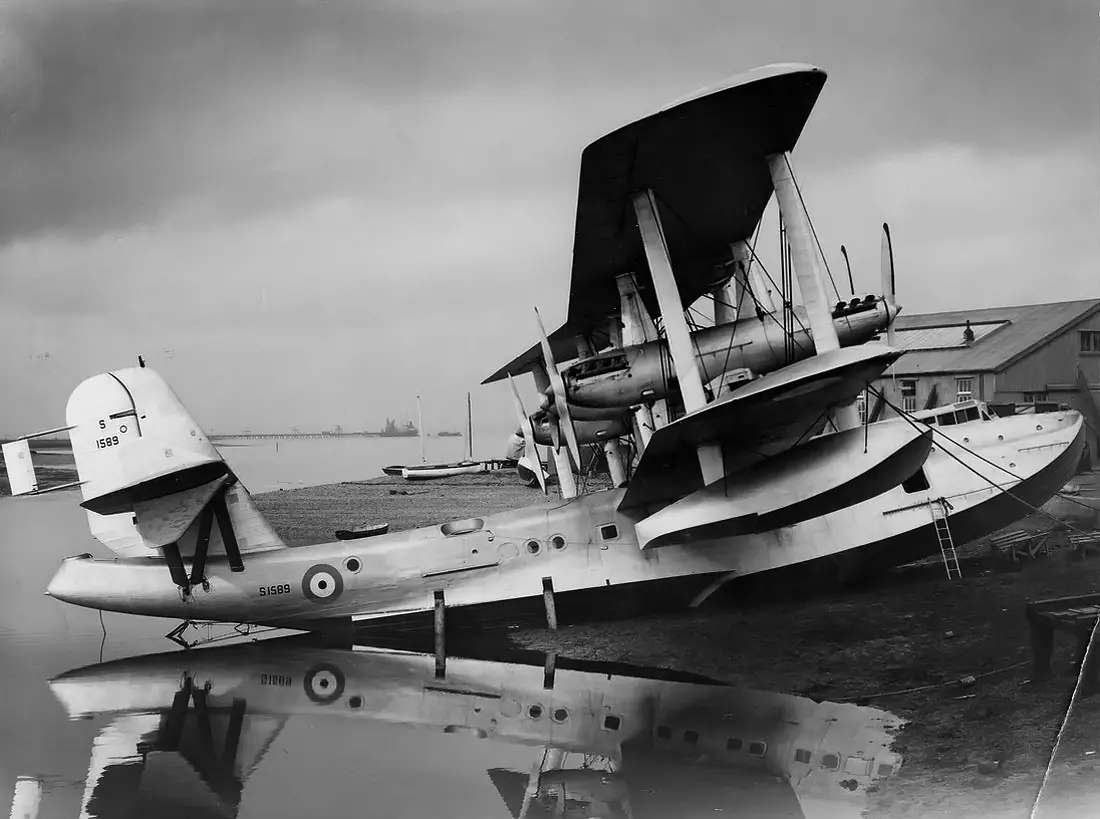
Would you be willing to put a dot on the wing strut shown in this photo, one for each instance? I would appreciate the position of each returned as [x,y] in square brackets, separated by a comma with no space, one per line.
[676,329]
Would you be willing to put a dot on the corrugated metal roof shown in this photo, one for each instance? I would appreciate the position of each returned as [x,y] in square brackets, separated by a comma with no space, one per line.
[1006,334]
[942,338]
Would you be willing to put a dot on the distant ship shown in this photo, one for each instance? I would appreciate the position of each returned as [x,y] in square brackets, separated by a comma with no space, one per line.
[392,430]
[448,434]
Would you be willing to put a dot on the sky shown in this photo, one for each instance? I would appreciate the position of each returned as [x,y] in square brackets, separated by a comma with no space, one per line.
[307,213]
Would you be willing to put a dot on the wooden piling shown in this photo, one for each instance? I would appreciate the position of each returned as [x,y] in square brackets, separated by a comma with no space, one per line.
[440,629]
[548,670]
[548,600]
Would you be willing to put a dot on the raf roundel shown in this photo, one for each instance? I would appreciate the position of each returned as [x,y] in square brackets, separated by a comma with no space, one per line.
[324,683]
[322,584]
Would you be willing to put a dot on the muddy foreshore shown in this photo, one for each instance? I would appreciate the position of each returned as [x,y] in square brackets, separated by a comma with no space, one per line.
[903,643]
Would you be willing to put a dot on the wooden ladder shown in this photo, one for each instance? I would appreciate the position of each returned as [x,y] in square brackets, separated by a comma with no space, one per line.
[939,508]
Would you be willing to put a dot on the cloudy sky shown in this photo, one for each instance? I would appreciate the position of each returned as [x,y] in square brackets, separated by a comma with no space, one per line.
[304,213]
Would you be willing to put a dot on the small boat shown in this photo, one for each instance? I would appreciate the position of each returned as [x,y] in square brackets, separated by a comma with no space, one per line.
[393,469]
[367,530]
[427,471]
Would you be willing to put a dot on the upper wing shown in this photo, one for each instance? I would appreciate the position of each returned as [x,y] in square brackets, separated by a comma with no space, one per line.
[773,413]
[705,158]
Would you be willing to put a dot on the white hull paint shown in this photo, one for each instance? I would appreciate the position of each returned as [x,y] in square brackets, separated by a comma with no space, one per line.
[505,557]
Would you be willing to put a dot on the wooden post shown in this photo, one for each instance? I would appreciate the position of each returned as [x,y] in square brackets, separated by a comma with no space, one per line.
[440,629]
[548,600]
[548,670]
[1042,646]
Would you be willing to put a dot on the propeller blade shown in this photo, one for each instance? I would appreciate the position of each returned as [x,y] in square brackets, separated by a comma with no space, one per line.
[531,452]
[565,422]
[888,290]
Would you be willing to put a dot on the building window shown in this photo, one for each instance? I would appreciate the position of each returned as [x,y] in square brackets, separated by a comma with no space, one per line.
[908,396]
[1090,341]
[964,389]
[1034,397]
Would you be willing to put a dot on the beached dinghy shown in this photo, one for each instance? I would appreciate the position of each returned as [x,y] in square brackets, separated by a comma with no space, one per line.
[366,530]
[428,471]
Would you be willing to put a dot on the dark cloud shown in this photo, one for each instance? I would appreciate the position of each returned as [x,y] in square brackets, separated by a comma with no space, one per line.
[123,112]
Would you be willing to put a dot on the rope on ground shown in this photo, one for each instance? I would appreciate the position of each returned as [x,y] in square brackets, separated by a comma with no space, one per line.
[933,686]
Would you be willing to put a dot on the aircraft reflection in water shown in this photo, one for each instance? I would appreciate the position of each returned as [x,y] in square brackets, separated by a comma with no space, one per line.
[591,740]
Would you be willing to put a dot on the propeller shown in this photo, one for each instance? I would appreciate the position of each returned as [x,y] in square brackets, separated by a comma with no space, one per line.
[560,404]
[530,451]
[888,290]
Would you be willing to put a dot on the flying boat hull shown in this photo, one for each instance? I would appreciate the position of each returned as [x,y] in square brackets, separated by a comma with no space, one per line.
[494,567]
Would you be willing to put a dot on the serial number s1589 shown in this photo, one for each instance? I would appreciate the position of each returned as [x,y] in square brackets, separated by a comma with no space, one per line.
[282,588]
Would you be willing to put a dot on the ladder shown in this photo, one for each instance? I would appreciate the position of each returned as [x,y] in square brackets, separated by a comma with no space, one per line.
[938,508]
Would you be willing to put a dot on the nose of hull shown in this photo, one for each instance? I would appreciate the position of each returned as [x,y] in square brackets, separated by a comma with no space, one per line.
[65,586]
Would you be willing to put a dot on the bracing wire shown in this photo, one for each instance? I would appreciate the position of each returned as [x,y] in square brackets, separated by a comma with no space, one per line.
[813,232]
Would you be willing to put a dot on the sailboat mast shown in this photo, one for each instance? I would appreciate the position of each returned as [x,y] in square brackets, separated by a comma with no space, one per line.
[469,429]
[420,428]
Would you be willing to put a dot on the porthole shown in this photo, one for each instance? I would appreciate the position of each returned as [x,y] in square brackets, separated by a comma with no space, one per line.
[611,723]
[966,440]
[757,748]
[533,547]
[557,542]
[560,715]
[353,565]
[534,711]
[1011,466]
[733,744]
[1000,437]
[355,702]
[802,756]
[664,732]
[1038,427]
[609,532]
[830,762]
[691,737]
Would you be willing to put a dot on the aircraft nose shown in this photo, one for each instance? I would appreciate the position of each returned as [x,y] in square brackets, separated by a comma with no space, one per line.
[64,585]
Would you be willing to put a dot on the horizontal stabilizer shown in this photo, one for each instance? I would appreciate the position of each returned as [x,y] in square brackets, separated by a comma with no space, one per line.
[828,473]
[164,520]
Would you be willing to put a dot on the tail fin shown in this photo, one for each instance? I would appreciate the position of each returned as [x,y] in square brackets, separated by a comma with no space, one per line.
[147,471]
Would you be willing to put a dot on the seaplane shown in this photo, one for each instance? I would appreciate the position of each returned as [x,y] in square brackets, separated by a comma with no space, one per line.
[553,737]
[766,473]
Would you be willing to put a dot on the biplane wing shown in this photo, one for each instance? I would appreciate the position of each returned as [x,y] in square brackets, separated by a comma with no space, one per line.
[761,421]
[705,159]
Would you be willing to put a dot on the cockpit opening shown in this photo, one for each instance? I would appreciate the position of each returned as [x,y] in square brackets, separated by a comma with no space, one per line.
[960,412]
